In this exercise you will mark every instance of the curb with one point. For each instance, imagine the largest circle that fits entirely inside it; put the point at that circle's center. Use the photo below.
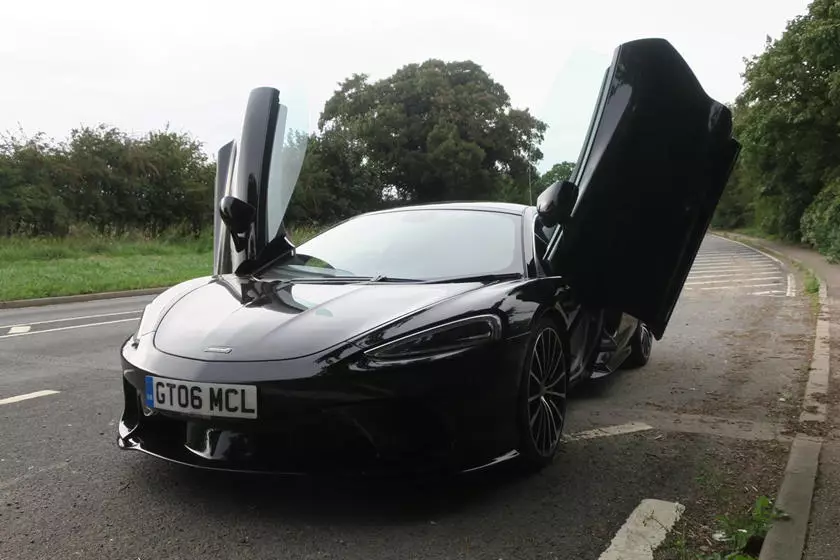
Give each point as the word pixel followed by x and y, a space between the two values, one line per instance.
pixel 787 538
pixel 18 303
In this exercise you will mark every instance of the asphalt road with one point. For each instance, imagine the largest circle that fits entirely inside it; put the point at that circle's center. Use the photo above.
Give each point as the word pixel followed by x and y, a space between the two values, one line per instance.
pixel 711 410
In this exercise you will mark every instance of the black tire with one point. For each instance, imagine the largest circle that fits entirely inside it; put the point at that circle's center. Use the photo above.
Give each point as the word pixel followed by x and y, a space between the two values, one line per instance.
pixel 541 405
pixel 640 345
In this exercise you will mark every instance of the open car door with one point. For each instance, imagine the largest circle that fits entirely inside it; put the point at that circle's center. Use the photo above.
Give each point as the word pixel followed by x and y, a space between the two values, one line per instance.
pixel 652 169
pixel 255 178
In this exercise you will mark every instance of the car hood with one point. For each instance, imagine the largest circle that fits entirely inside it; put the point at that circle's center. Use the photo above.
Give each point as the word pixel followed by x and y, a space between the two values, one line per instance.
pixel 229 320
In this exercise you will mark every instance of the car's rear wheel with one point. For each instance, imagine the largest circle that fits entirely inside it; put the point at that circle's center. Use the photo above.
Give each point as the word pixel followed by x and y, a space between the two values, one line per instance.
pixel 640 347
pixel 542 397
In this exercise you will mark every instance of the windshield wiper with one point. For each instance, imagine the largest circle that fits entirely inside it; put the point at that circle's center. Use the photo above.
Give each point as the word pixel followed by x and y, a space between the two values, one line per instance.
pixel 337 279
pixel 475 278
pixel 383 278
pixel 315 279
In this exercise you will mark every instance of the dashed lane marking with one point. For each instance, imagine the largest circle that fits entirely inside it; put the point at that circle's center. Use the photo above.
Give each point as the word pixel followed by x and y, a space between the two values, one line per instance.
pixel 27 396
pixel 20 329
pixel 30 333
pixel 629 428
pixel 644 530
pixel 66 319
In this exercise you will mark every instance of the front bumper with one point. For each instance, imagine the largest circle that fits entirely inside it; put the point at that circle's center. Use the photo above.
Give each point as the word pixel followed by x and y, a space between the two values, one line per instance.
pixel 457 414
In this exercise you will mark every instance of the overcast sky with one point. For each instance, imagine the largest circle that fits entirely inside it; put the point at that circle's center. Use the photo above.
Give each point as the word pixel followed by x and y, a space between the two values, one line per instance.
pixel 140 65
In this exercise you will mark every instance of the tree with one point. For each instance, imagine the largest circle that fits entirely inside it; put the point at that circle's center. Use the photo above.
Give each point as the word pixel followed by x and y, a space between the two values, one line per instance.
pixel 335 182
pixel 105 179
pixel 558 172
pixel 437 131
pixel 788 118
pixel 30 200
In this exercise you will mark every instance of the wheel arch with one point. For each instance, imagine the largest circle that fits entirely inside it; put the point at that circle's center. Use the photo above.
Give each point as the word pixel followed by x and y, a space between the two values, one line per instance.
pixel 561 319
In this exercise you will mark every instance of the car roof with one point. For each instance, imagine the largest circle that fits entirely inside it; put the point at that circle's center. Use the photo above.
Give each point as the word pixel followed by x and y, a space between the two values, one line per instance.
pixel 486 206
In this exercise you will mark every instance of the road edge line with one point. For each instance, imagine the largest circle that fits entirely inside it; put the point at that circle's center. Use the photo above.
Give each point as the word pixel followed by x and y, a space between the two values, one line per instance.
pixel 79 298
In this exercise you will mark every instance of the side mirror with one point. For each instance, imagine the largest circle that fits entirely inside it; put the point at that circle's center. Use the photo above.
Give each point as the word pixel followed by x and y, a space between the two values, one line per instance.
pixel 237 214
pixel 239 218
pixel 555 203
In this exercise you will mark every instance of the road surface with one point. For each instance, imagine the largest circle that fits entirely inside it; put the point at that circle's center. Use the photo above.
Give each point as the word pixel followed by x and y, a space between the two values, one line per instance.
pixel 704 426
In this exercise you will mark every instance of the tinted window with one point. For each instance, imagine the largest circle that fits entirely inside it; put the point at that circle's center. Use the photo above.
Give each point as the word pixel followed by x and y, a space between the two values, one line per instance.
pixel 415 244
pixel 287 153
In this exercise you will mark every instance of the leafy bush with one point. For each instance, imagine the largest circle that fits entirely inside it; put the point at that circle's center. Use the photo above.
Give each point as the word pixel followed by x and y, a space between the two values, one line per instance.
pixel 821 221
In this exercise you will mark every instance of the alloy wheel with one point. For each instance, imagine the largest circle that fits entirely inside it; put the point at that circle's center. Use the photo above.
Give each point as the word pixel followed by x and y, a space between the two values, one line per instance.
pixel 547 392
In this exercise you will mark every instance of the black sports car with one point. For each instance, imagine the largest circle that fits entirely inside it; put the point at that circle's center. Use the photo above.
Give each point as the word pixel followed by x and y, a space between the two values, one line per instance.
pixel 437 336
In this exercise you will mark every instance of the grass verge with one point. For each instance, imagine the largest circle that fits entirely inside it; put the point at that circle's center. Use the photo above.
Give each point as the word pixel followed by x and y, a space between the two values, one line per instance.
pixel 737 537
pixel 85 264
pixel 734 512
pixel 812 285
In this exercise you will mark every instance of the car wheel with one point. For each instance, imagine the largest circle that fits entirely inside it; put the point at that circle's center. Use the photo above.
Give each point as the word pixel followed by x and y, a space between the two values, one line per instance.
pixel 542 396
pixel 640 347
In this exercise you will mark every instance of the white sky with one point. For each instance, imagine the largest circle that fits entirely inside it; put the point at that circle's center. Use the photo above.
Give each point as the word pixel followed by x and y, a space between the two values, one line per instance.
pixel 192 64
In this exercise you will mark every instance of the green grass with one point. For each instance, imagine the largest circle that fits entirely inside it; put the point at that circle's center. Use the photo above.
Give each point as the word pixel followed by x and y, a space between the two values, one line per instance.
pixel 741 536
pixel 85 263
pixel 812 285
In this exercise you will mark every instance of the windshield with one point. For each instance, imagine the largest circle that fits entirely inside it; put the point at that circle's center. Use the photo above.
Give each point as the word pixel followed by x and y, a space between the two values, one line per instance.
pixel 412 244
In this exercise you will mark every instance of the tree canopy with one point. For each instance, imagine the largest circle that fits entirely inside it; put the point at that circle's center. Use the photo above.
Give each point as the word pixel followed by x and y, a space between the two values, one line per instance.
pixel 438 131
pixel 102 178
pixel 558 172
pixel 788 119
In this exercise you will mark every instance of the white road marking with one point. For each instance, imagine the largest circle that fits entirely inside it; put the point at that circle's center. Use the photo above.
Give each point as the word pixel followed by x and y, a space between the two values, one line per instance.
pixel 769 292
pixel 730 261
pixel 761 278
pixel 753 249
pixel 730 258
pixel 27 396
pixel 65 319
pixel 710 268
pixel 20 329
pixel 736 286
pixel 618 430
pixel 715 274
pixel 644 531
pixel 730 268
pixel 69 328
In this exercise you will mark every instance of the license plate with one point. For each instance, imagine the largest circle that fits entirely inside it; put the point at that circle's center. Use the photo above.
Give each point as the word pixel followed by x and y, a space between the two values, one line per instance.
pixel 205 399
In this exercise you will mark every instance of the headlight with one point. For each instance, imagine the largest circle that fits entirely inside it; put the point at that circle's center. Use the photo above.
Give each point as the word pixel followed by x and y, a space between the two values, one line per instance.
pixel 441 341
pixel 153 312
pixel 146 324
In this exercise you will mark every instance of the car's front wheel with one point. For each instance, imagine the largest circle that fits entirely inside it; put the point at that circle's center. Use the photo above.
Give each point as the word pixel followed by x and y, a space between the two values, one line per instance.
pixel 542 396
